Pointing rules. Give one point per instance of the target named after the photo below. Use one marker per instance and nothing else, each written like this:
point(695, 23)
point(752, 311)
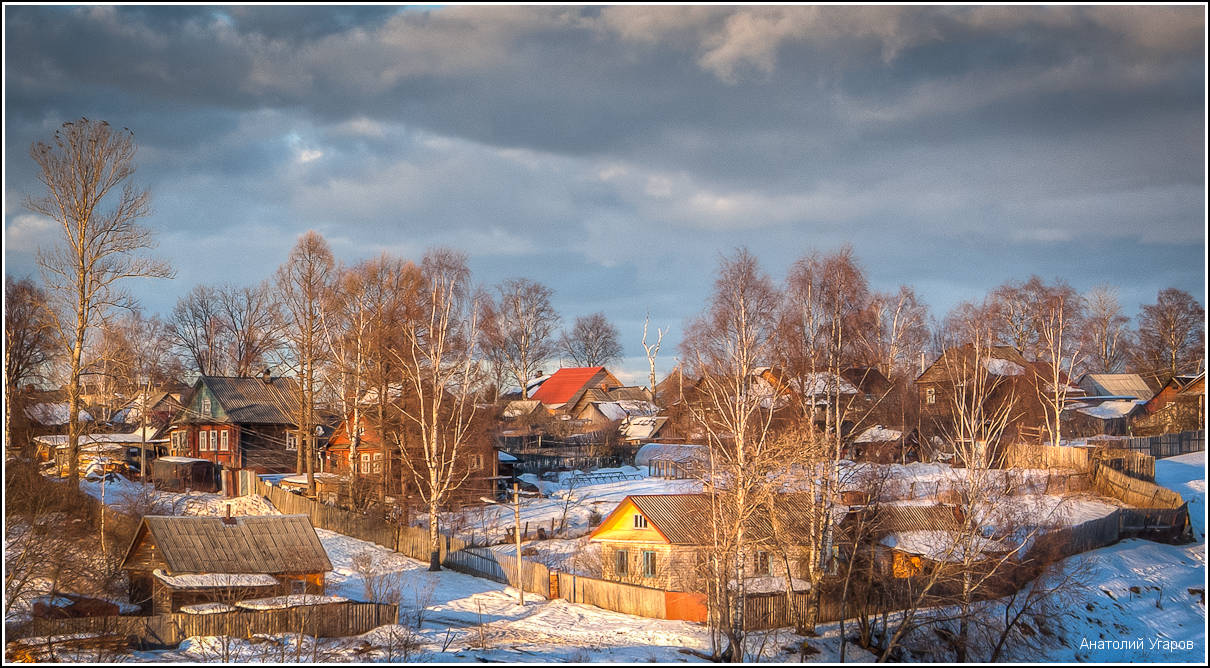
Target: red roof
point(565, 383)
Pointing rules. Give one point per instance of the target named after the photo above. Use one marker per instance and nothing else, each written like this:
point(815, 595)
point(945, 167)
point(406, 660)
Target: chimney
point(229, 520)
point(264, 376)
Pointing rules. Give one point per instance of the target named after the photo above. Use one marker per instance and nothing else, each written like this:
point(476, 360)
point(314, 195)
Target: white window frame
point(621, 562)
point(365, 462)
point(224, 441)
point(930, 395)
point(640, 521)
point(377, 462)
point(213, 440)
point(206, 407)
point(476, 462)
point(291, 441)
point(649, 556)
point(203, 441)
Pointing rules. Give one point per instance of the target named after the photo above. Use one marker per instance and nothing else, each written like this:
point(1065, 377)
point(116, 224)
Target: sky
point(616, 153)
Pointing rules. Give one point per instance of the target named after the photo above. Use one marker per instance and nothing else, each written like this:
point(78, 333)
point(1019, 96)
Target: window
point(476, 462)
point(365, 462)
point(291, 441)
point(213, 440)
point(648, 564)
point(224, 443)
point(640, 522)
point(206, 407)
point(762, 563)
point(930, 395)
point(621, 562)
point(377, 462)
point(298, 587)
point(202, 444)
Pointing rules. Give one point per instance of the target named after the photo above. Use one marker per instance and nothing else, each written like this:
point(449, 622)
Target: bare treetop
point(592, 341)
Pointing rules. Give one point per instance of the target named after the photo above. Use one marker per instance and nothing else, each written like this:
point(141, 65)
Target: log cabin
point(173, 561)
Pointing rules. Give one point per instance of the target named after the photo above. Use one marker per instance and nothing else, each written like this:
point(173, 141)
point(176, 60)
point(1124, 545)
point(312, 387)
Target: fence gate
point(554, 585)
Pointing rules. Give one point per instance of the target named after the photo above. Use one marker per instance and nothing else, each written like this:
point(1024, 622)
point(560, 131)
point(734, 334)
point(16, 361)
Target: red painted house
point(240, 422)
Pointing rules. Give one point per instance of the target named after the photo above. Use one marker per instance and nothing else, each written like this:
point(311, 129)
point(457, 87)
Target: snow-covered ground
point(1149, 594)
point(122, 493)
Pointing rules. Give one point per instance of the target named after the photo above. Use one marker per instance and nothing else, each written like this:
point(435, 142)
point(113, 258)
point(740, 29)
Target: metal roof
point(567, 384)
point(1116, 384)
point(272, 544)
point(684, 519)
point(252, 400)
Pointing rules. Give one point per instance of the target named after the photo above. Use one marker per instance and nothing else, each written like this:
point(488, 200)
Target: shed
point(178, 561)
point(178, 474)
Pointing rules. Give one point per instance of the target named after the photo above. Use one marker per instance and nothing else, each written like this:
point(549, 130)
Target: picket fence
point(331, 620)
point(1168, 445)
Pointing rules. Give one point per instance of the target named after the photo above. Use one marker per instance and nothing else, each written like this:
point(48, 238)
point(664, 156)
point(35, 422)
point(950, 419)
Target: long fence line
point(331, 620)
point(1167, 445)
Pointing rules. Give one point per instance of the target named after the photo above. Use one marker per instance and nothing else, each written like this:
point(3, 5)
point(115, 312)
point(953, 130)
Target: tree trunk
point(434, 540)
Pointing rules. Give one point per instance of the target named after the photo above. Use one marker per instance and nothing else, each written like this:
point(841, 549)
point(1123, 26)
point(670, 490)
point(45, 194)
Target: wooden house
point(178, 561)
point(661, 540)
point(240, 422)
point(1179, 406)
point(564, 389)
point(883, 445)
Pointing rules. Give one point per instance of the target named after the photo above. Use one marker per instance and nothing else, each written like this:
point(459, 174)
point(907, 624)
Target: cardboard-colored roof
point(271, 544)
point(684, 519)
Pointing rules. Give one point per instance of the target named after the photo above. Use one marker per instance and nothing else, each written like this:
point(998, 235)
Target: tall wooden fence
point(333, 620)
point(535, 577)
point(1168, 445)
point(616, 596)
point(1133, 492)
point(1031, 456)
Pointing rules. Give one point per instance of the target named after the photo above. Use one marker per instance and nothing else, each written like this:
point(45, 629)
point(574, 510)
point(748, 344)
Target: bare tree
point(83, 170)
point(652, 350)
point(1058, 342)
point(438, 368)
point(29, 346)
point(1105, 337)
point(520, 328)
point(302, 283)
point(1013, 310)
point(894, 331)
point(1171, 336)
point(592, 341)
point(252, 324)
point(726, 345)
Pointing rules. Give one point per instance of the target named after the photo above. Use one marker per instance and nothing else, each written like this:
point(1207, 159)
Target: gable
point(568, 384)
point(619, 526)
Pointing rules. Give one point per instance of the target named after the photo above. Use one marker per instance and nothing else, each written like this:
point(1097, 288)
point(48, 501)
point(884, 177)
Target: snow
point(1002, 367)
point(207, 608)
point(302, 479)
point(52, 413)
point(939, 545)
point(208, 580)
point(291, 601)
point(1109, 409)
point(123, 493)
point(672, 451)
point(504, 456)
point(878, 434)
point(182, 460)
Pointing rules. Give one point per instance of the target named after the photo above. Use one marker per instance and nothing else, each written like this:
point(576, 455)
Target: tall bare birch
point(651, 350)
point(1059, 353)
point(438, 368)
point(520, 328)
point(86, 170)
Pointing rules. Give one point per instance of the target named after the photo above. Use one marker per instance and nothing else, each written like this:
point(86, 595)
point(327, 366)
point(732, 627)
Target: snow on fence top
point(675, 452)
point(215, 580)
point(207, 608)
point(291, 601)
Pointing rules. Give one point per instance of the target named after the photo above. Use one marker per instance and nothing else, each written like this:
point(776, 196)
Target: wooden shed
point(177, 474)
point(177, 561)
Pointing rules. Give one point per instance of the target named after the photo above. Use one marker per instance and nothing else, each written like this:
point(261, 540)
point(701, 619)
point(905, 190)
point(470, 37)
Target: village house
point(1179, 406)
point(564, 389)
point(184, 560)
point(661, 541)
point(240, 422)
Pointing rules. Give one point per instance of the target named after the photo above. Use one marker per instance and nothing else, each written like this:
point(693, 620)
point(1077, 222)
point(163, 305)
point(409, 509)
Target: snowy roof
point(624, 408)
point(215, 580)
point(48, 414)
point(301, 479)
point(1109, 410)
point(672, 451)
point(291, 601)
point(878, 434)
point(504, 456)
point(60, 440)
point(1116, 384)
point(1003, 367)
point(939, 545)
point(173, 459)
point(207, 608)
point(641, 428)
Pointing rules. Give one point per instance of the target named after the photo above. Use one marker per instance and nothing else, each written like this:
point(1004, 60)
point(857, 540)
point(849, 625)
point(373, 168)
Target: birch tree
point(592, 341)
point(726, 345)
point(1171, 336)
point(520, 328)
point(438, 370)
point(29, 345)
point(1105, 337)
point(302, 285)
point(651, 350)
point(1058, 342)
point(86, 170)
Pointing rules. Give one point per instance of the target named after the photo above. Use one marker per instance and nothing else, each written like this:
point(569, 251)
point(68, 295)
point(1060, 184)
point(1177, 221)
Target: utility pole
point(517, 533)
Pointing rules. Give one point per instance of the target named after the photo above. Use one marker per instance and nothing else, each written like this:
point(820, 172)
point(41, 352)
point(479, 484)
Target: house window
point(213, 440)
point(291, 441)
point(648, 564)
point(206, 407)
point(762, 563)
point(621, 562)
point(365, 462)
point(223, 442)
point(640, 522)
point(202, 444)
point(298, 587)
point(476, 462)
point(377, 462)
point(930, 395)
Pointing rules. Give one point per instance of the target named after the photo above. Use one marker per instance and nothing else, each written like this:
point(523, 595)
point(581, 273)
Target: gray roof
point(271, 544)
point(252, 400)
point(1116, 385)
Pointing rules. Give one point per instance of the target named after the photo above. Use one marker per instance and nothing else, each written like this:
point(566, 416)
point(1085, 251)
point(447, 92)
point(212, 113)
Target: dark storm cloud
point(613, 152)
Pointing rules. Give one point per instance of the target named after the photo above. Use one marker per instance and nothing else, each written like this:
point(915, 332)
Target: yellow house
point(658, 540)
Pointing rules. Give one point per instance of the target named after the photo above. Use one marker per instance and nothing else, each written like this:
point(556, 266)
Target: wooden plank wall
point(333, 620)
point(1132, 492)
point(615, 596)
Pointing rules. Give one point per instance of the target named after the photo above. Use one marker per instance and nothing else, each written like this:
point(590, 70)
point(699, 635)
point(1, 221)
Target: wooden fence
point(1133, 492)
point(1030, 456)
point(625, 598)
point(332, 620)
point(1167, 445)
point(535, 577)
